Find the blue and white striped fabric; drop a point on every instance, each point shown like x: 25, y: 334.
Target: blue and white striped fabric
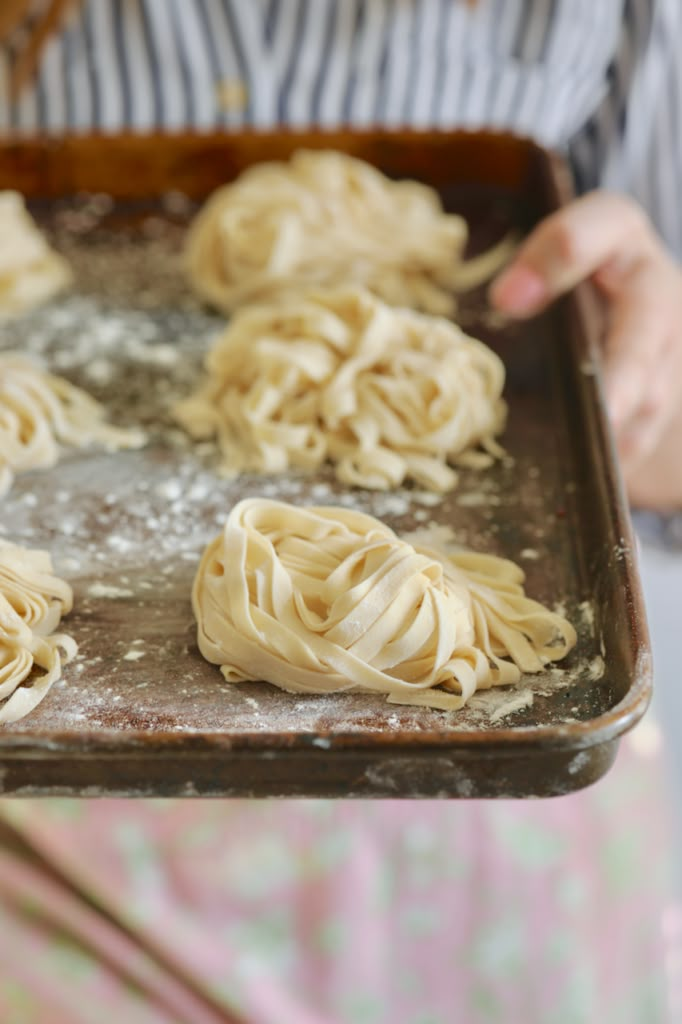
x: 599, y: 78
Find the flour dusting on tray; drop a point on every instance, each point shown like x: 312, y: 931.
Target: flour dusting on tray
x: 127, y: 530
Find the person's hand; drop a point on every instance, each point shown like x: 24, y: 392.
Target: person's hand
x: 608, y: 239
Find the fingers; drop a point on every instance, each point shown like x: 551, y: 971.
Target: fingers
x: 643, y: 378
x: 655, y: 479
x: 608, y: 239
x: 598, y: 231
x: 639, y: 436
x: 639, y: 326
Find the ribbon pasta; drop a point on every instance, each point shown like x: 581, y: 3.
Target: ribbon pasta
x: 32, y: 602
x: 30, y: 271
x: 324, y: 218
x: 386, y: 394
x: 38, y: 410
x: 325, y: 600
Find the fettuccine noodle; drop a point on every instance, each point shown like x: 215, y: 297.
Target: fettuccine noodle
x: 385, y: 394
x: 325, y: 600
x: 32, y: 602
x: 30, y: 271
x: 39, y: 410
x: 325, y: 218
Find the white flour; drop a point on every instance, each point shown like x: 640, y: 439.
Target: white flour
x: 127, y: 530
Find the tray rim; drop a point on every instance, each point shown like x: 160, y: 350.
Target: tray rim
x: 35, y: 152
x: 78, y: 153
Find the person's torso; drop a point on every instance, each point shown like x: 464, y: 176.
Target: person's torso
x: 597, y: 79
x: 537, y: 66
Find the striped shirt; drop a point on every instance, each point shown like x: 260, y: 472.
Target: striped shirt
x: 600, y: 79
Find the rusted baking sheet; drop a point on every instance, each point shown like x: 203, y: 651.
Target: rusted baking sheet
x: 140, y: 712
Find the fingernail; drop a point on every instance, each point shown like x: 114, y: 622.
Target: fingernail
x: 518, y: 290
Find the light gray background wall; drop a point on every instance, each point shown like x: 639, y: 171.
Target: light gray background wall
x: 662, y: 580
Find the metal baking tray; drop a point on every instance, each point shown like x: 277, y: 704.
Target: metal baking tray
x: 140, y: 712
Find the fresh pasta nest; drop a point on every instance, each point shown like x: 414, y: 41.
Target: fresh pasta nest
x: 32, y: 602
x: 30, y: 271
x: 324, y: 218
x: 385, y: 394
x: 324, y: 600
x: 39, y: 410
